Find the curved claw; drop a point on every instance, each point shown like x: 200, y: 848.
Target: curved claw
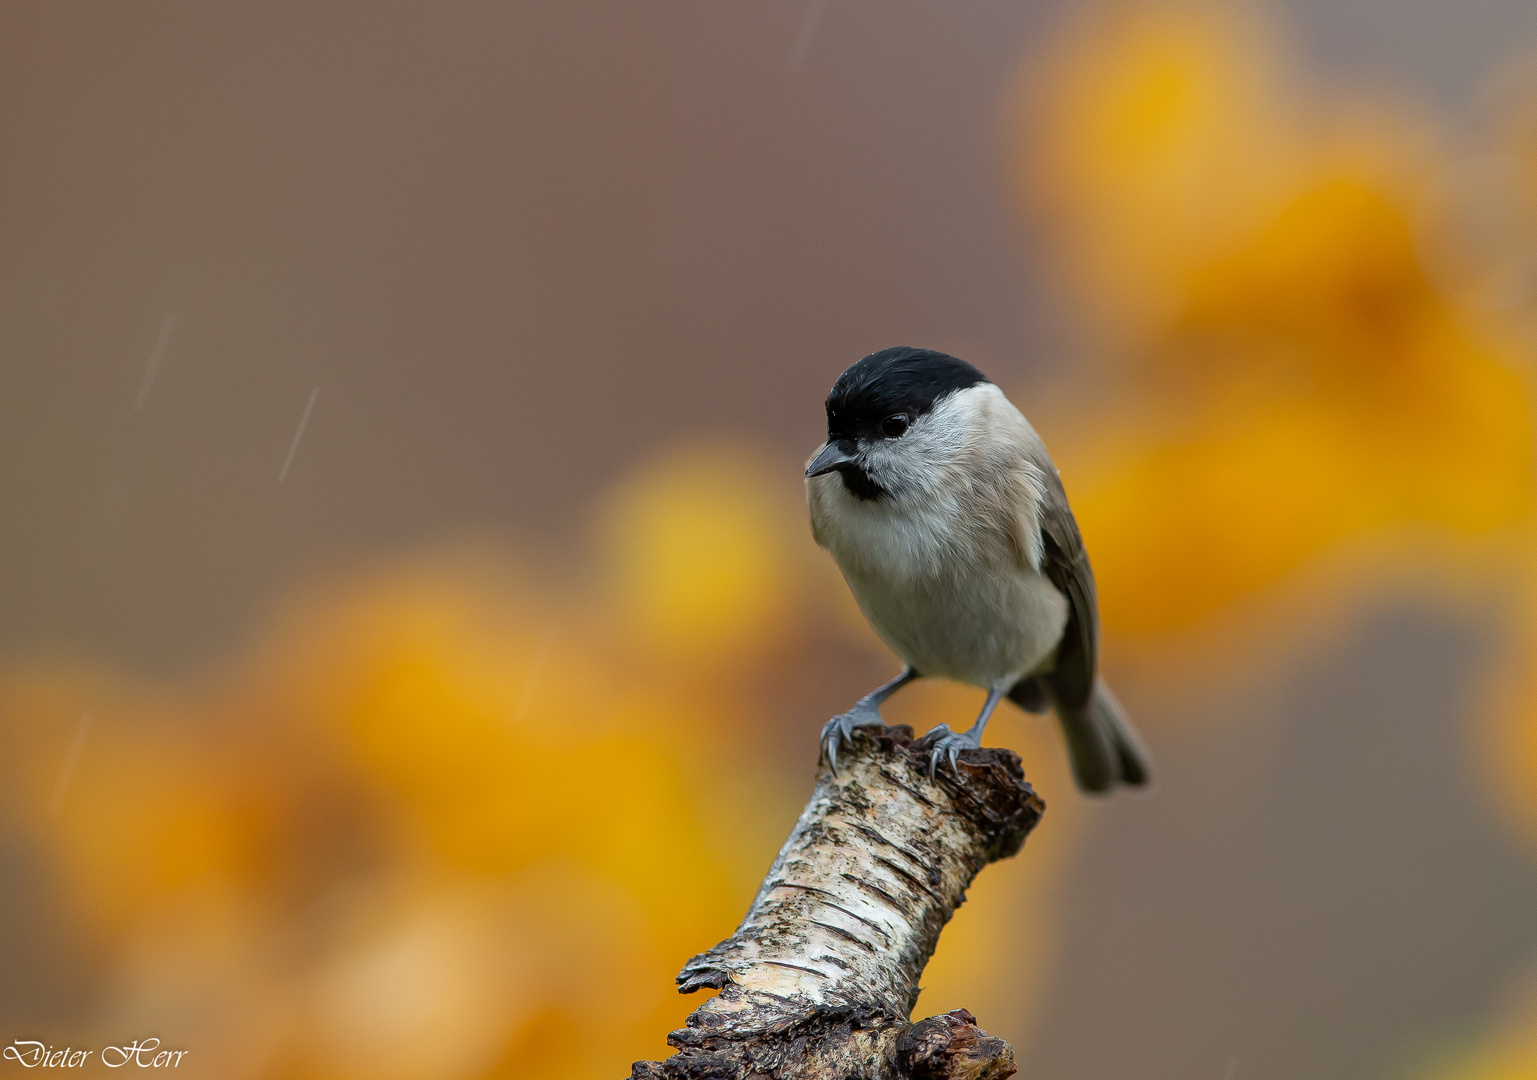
x: 840, y: 729
x: 938, y: 745
x: 950, y: 745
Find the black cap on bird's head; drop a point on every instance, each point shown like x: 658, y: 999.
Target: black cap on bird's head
x: 879, y: 397
x: 901, y: 381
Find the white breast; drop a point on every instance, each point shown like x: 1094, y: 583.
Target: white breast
x: 946, y: 570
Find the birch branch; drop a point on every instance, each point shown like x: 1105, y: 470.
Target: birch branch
x: 819, y: 980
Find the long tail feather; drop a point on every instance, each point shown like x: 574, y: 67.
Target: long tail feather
x: 1103, y: 746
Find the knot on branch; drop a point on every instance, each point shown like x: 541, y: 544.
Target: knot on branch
x: 952, y: 1047
x: 822, y: 974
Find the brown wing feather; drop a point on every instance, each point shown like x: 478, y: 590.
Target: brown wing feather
x: 1066, y: 565
x: 1103, y: 748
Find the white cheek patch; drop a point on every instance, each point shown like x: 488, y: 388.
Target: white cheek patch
x: 932, y: 472
x: 954, y: 418
x: 914, y: 463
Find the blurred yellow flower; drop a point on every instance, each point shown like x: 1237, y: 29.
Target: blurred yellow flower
x: 695, y: 547
x: 1146, y: 136
x: 422, y: 826
x: 1290, y: 377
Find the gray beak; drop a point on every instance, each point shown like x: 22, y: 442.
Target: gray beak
x: 840, y: 454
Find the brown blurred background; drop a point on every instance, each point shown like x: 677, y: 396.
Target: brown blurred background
x: 500, y: 700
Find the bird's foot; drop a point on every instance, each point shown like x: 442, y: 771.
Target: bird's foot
x: 840, y: 729
x: 949, y: 744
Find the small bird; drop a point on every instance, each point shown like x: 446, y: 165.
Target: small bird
x: 948, y: 520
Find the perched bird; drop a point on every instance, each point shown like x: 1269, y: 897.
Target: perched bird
x: 948, y: 519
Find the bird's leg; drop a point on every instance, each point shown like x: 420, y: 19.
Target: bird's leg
x: 951, y: 744
x: 865, y: 713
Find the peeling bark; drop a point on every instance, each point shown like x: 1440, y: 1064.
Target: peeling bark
x: 819, y: 980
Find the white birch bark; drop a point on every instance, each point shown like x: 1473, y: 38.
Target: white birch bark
x: 821, y: 976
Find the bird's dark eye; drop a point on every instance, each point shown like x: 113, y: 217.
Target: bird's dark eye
x: 894, y: 426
